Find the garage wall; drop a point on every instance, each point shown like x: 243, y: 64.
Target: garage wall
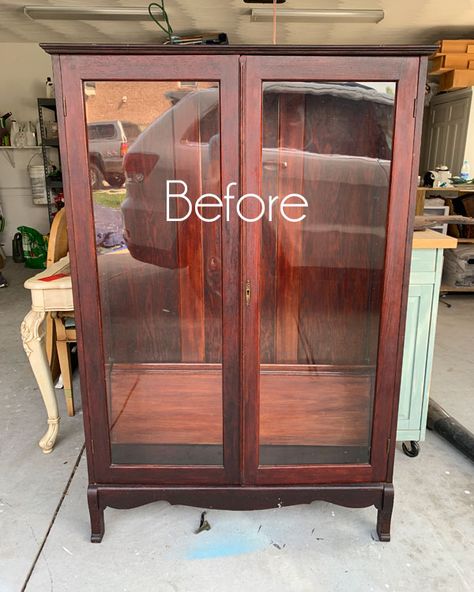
x: 23, y: 81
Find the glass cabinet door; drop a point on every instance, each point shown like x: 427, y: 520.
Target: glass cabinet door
x: 321, y: 267
x: 160, y: 271
x: 320, y: 383
x: 165, y: 274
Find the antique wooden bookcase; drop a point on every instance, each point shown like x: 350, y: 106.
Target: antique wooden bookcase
x: 244, y: 362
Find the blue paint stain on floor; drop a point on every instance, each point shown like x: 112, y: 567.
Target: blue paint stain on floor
x: 211, y: 544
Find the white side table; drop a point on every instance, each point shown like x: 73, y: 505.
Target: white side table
x: 51, y: 291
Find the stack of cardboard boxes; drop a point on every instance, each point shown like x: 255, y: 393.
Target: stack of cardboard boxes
x: 454, y: 63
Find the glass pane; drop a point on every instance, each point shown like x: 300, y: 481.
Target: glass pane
x: 322, y: 267
x: 159, y: 270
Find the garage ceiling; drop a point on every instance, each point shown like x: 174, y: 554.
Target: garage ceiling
x: 406, y: 21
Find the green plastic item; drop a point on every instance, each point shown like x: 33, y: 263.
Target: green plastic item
x: 35, y: 247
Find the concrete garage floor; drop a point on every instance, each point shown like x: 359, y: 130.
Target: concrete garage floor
x: 44, y: 524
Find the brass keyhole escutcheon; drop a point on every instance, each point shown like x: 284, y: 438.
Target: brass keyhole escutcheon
x: 247, y: 292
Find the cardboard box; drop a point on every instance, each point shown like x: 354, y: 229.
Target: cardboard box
x: 436, y: 64
x: 455, y: 61
x: 455, y: 45
x: 455, y: 79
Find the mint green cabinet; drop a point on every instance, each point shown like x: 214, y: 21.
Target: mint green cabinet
x: 423, y: 297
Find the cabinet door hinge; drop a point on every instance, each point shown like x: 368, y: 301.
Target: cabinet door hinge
x: 248, y: 292
x: 64, y: 107
x: 415, y: 106
x: 389, y: 441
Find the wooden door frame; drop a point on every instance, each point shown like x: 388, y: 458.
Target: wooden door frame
x: 72, y: 71
x: 406, y: 73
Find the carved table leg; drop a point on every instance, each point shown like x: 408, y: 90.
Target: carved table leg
x: 384, y: 513
x: 32, y: 334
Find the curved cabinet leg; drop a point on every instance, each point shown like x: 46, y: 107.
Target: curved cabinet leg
x: 32, y: 335
x: 384, y: 513
x: 96, y: 513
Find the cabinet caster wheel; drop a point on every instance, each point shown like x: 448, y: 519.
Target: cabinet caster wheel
x: 413, y: 450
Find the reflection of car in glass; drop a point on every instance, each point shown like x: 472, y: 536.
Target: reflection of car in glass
x: 321, y: 147
x: 108, y: 144
x: 182, y: 143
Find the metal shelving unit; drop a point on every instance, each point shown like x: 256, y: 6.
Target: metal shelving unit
x: 52, y: 185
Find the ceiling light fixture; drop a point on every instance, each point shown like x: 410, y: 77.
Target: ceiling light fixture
x: 338, y: 15
x: 88, y: 13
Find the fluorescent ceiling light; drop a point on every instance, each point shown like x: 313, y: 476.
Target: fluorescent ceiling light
x: 89, y: 13
x: 338, y: 15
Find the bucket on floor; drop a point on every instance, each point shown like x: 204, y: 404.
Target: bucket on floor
x: 38, y: 184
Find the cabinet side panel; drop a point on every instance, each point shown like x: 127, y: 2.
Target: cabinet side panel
x: 416, y: 79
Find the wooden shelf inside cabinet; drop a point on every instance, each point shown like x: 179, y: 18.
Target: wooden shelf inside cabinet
x: 247, y: 362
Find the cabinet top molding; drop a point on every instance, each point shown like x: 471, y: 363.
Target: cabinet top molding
x: 146, y: 49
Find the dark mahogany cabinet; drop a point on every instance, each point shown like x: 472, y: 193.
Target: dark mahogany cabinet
x: 240, y: 231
